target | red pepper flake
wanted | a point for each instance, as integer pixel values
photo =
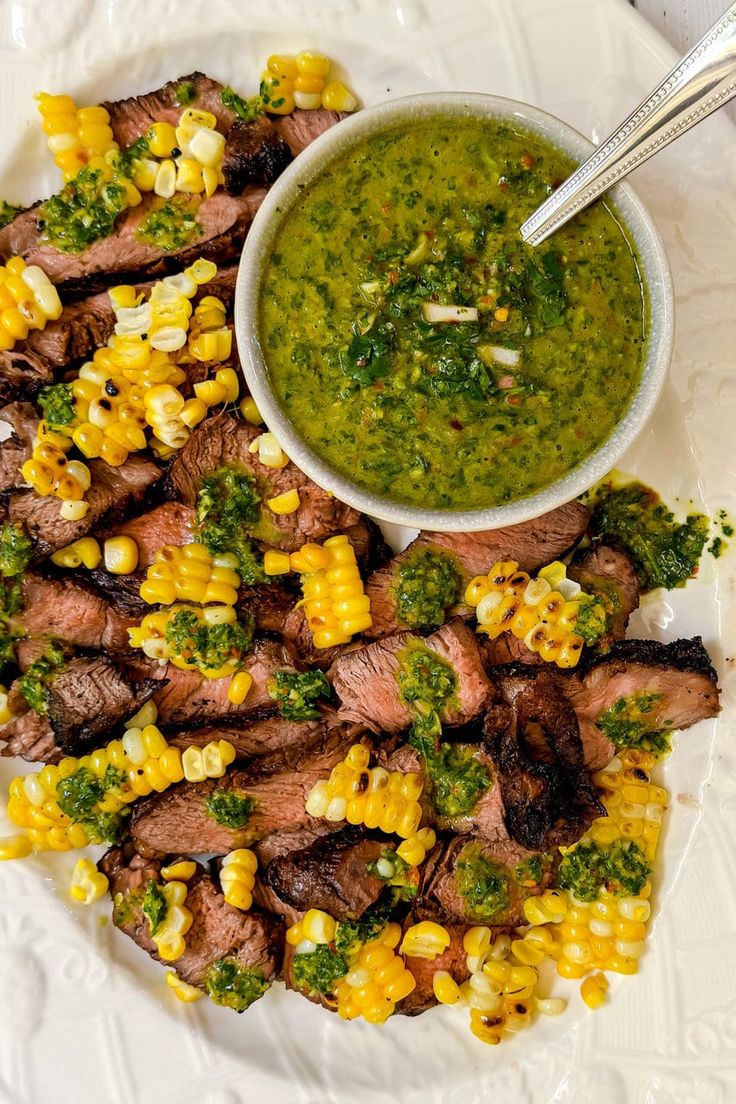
(527, 160)
(513, 400)
(456, 424)
(503, 184)
(385, 207)
(393, 276)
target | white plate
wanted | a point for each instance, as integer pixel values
(84, 1016)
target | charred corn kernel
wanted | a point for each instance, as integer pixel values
(182, 991)
(531, 610)
(239, 687)
(392, 812)
(88, 883)
(286, 503)
(335, 603)
(276, 563)
(425, 940)
(161, 139)
(120, 555)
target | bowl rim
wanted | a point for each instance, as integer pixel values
(638, 225)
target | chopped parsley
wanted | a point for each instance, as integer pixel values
(7, 212)
(482, 883)
(16, 549)
(34, 685)
(247, 110)
(172, 225)
(84, 211)
(79, 794)
(230, 809)
(427, 686)
(57, 403)
(428, 583)
(208, 647)
(228, 504)
(155, 906)
(186, 93)
(666, 553)
(628, 724)
(531, 871)
(352, 934)
(621, 868)
(457, 779)
(593, 620)
(296, 694)
(319, 971)
(234, 986)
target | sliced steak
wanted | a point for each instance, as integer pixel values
(257, 736)
(384, 589)
(74, 613)
(330, 874)
(224, 221)
(251, 940)
(610, 575)
(302, 127)
(112, 492)
(532, 543)
(270, 605)
(453, 961)
(131, 117)
(534, 741)
(678, 677)
(188, 699)
(450, 868)
(255, 153)
(170, 523)
(225, 439)
(179, 818)
(366, 680)
(30, 736)
(507, 649)
(22, 418)
(88, 698)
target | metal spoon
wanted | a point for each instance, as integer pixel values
(704, 80)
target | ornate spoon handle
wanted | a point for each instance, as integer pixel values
(702, 81)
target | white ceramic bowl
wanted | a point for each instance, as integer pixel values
(289, 189)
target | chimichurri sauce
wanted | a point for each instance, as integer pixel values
(534, 374)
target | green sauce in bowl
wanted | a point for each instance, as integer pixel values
(544, 352)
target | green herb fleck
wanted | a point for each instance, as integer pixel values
(428, 583)
(352, 934)
(79, 794)
(296, 694)
(34, 685)
(227, 504)
(15, 549)
(482, 883)
(186, 93)
(155, 906)
(57, 403)
(84, 211)
(319, 971)
(171, 225)
(530, 872)
(628, 724)
(666, 553)
(208, 647)
(366, 358)
(247, 110)
(621, 868)
(592, 621)
(230, 809)
(234, 986)
(457, 779)
(427, 686)
(7, 213)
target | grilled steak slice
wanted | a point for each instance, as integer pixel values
(22, 418)
(219, 931)
(534, 741)
(677, 680)
(270, 605)
(366, 680)
(131, 117)
(23, 371)
(257, 736)
(255, 154)
(507, 649)
(112, 492)
(224, 222)
(87, 699)
(330, 874)
(225, 439)
(532, 543)
(453, 960)
(611, 576)
(302, 127)
(292, 839)
(189, 700)
(179, 818)
(469, 880)
(121, 592)
(30, 736)
(170, 523)
(61, 608)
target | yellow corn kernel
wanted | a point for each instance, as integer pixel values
(250, 411)
(286, 503)
(594, 990)
(336, 97)
(210, 392)
(15, 847)
(282, 66)
(88, 883)
(425, 940)
(318, 926)
(239, 687)
(161, 139)
(312, 65)
(120, 555)
(182, 991)
(445, 988)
